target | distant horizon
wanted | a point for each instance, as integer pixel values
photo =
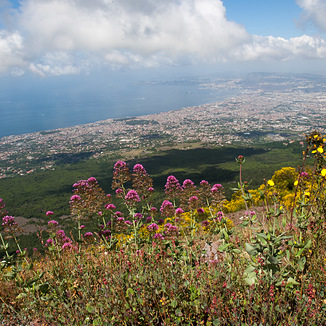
(59, 108)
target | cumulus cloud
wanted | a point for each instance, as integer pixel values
(70, 36)
(314, 11)
(265, 48)
(11, 50)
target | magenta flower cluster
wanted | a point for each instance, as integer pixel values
(53, 223)
(217, 188)
(172, 185)
(170, 229)
(132, 197)
(153, 227)
(8, 221)
(138, 168)
(167, 208)
(75, 198)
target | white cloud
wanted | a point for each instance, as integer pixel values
(265, 48)
(11, 50)
(71, 36)
(314, 11)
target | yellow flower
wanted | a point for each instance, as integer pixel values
(316, 136)
(307, 193)
(320, 150)
(296, 182)
(271, 183)
(323, 172)
(314, 151)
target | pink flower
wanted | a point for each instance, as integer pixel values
(8, 221)
(120, 164)
(49, 213)
(204, 183)
(219, 216)
(187, 184)
(193, 199)
(167, 208)
(179, 211)
(66, 245)
(153, 227)
(138, 168)
(158, 236)
(216, 188)
(128, 222)
(119, 191)
(92, 180)
(205, 223)
(50, 242)
(74, 198)
(61, 234)
(172, 185)
(139, 215)
(200, 211)
(132, 197)
(110, 206)
(88, 235)
(53, 223)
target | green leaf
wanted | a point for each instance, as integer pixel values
(250, 280)
(292, 281)
(252, 251)
(97, 321)
(223, 247)
(90, 308)
(129, 292)
(308, 244)
(301, 262)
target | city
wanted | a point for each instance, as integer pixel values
(279, 109)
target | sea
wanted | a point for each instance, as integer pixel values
(29, 105)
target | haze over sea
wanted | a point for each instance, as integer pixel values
(47, 104)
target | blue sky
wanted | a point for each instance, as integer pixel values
(46, 38)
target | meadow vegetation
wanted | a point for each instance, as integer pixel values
(256, 258)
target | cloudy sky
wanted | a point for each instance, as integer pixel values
(76, 37)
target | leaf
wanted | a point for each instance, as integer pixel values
(301, 262)
(308, 244)
(90, 308)
(252, 251)
(130, 292)
(223, 247)
(250, 280)
(97, 321)
(273, 260)
(292, 281)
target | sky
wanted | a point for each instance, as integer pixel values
(44, 38)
